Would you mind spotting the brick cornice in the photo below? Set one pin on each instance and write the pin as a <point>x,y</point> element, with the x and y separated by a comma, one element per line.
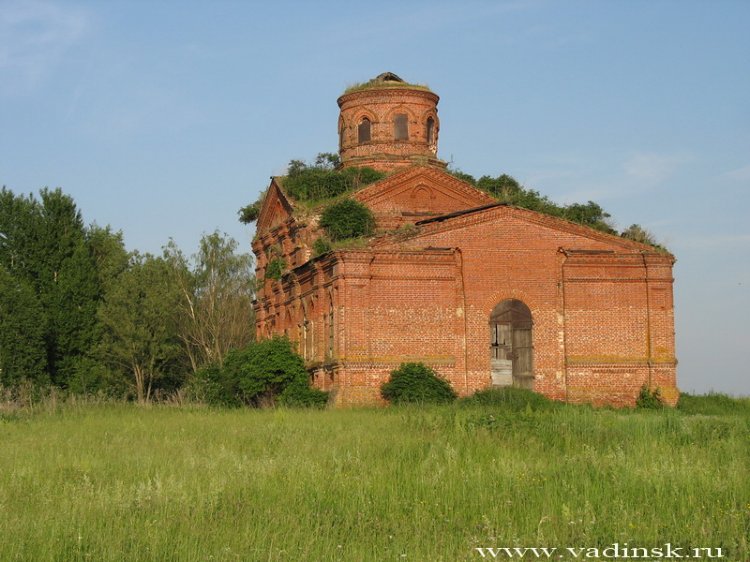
<point>387,93</point>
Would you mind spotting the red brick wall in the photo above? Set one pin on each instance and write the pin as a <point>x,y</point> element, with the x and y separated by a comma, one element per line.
<point>382,151</point>
<point>602,307</point>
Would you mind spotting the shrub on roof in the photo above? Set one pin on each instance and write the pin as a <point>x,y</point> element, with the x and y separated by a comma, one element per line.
<point>323,180</point>
<point>317,182</point>
<point>507,189</point>
<point>347,219</point>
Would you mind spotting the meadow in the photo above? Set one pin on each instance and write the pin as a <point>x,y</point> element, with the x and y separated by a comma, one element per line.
<point>101,482</point>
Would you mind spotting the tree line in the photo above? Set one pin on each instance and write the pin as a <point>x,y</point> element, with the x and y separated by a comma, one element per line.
<point>79,312</point>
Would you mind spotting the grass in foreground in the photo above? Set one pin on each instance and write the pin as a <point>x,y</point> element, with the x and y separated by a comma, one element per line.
<point>118,482</point>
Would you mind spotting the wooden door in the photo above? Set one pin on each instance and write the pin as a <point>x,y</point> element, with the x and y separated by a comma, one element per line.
<point>501,354</point>
<point>511,345</point>
<point>522,369</point>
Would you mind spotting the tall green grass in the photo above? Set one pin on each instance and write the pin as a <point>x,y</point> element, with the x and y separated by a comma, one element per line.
<point>118,482</point>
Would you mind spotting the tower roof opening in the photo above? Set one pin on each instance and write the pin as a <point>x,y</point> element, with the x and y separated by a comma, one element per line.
<point>387,77</point>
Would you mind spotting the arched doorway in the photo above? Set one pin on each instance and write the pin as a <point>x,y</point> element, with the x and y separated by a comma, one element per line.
<point>511,350</point>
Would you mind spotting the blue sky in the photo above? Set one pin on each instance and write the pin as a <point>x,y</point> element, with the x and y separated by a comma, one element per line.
<point>163,118</point>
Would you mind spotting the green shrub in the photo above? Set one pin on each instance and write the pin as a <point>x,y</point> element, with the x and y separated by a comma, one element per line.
<point>300,394</point>
<point>249,213</point>
<point>275,268</point>
<point>211,387</point>
<point>347,219</point>
<point>416,383</point>
<point>321,246</point>
<point>649,399</point>
<point>637,233</point>
<point>258,375</point>
<point>511,399</point>
<point>315,183</point>
<point>322,181</point>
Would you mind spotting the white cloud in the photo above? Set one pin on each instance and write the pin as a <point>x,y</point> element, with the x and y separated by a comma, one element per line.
<point>740,174</point>
<point>650,169</point>
<point>33,37</point>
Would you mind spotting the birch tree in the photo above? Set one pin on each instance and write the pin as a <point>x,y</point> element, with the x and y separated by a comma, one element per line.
<point>216,292</point>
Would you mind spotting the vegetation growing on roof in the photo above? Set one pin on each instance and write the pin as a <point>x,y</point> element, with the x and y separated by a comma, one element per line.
<point>275,268</point>
<point>347,219</point>
<point>507,189</point>
<point>314,183</point>
<point>637,233</point>
<point>249,213</point>
<point>385,80</point>
<point>373,84</point>
<point>321,246</point>
<point>323,180</point>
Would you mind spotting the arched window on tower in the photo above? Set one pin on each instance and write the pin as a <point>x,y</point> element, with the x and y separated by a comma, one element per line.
<point>430,132</point>
<point>401,127</point>
<point>331,326</point>
<point>341,133</point>
<point>363,130</point>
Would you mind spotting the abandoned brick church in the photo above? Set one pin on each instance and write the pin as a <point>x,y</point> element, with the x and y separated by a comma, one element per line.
<point>485,293</point>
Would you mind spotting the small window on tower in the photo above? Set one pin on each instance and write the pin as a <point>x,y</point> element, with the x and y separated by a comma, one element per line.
<point>401,127</point>
<point>363,130</point>
<point>430,131</point>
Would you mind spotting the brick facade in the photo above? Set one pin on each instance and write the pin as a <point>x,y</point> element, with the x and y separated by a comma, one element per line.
<point>424,289</point>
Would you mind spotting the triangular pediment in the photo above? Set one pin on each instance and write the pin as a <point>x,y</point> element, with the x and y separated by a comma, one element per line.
<point>276,208</point>
<point>506,220</point>
<point>421,191</point>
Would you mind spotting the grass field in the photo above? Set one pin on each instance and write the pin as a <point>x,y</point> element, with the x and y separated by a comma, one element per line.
<point>119,482</point>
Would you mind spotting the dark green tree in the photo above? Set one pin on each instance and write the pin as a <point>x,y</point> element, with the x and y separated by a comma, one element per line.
<point>92,373</point>
<point>107,249</point>
<point>44,246</point>
<point>139,321</point>
<point>23,352</point>
<point>68,284</point>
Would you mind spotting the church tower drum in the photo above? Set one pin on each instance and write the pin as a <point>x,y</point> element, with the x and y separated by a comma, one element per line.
<point>387,124</point>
